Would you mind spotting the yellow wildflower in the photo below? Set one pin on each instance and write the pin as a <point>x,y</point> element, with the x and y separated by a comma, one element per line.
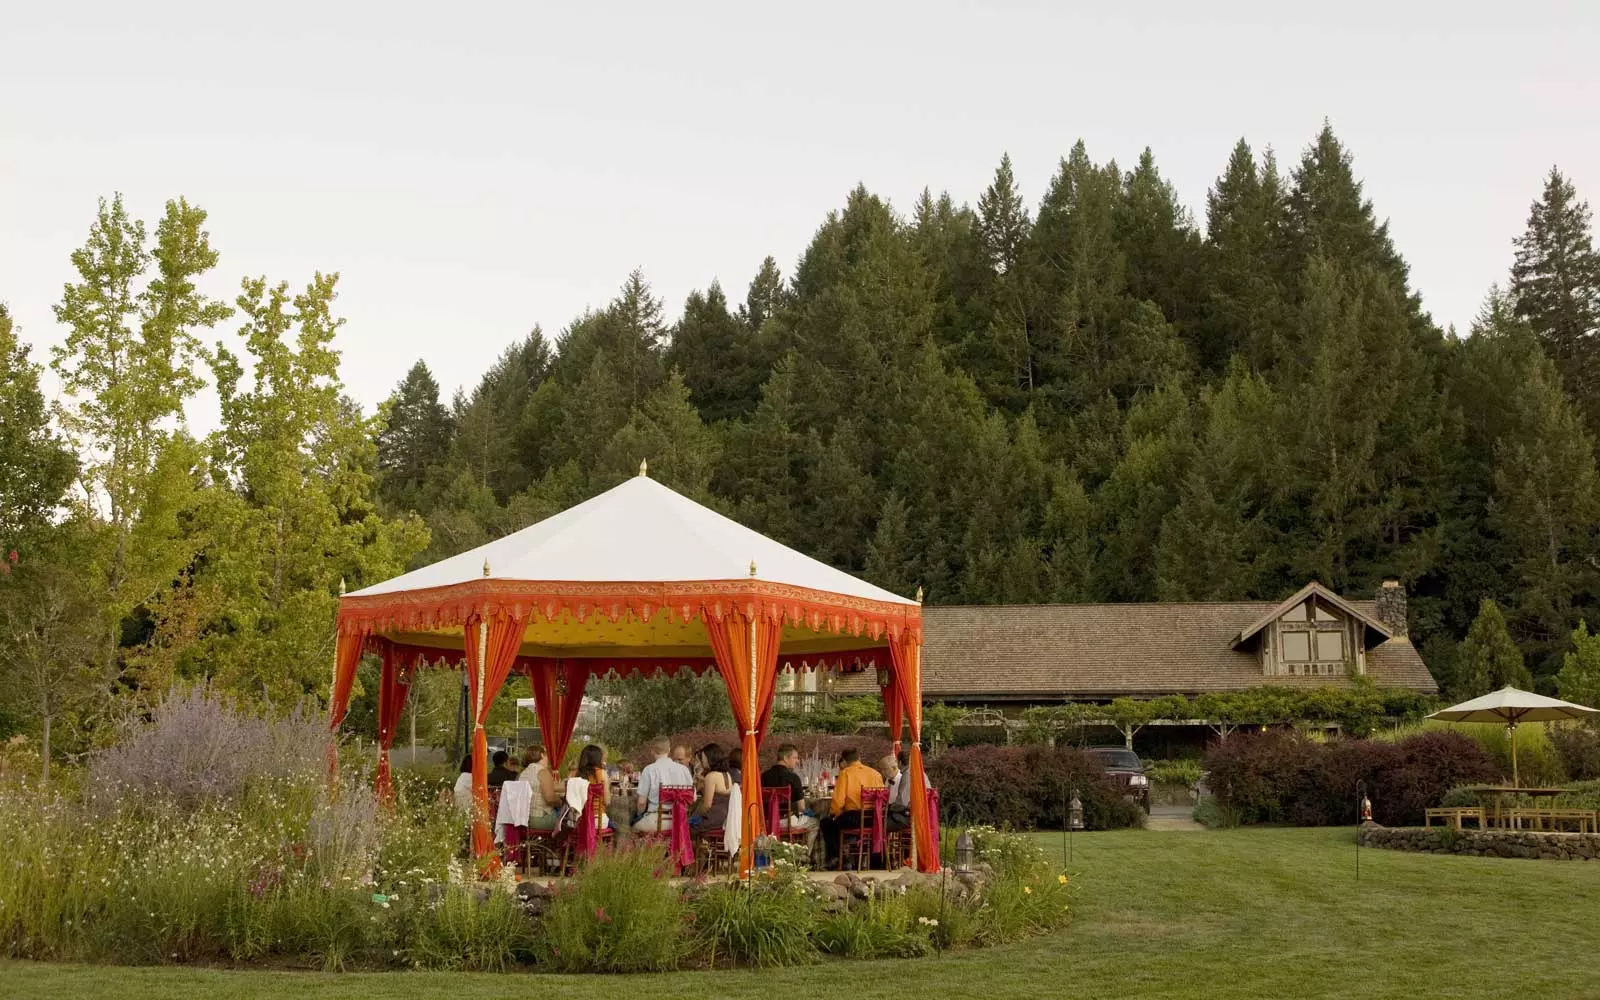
<point>1062,879</point>
<point>1028,889</point>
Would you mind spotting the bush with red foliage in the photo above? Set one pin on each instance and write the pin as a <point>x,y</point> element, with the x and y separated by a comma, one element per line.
<point>1026,788</point>
<point>1281,777</point>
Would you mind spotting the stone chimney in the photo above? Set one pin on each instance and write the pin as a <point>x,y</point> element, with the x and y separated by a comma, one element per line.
<point>1391,607</point>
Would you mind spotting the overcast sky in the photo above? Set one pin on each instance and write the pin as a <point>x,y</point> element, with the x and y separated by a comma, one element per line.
<point>474,170</point>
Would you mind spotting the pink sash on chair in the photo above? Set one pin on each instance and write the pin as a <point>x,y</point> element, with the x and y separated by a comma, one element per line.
<point>680,798</point>
<point>933,812</point>
<point>875,799</point>
<point>588,823</point>
<point>777,803</point>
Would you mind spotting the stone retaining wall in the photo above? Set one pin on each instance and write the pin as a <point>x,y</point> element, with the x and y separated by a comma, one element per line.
<point>1485,843</point>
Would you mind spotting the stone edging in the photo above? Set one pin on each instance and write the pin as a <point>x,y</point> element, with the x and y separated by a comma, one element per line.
<point>1485,843</point>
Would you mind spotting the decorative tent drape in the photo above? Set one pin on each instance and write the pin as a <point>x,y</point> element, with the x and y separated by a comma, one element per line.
<point>746,650</point>
<point>492,642</point>
<point>557,695</point>
<point>394,683</point>
<point>907,651</point>
<point>346,657</point>
<point>893,707</point>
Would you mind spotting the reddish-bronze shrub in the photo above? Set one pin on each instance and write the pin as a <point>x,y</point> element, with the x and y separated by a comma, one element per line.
<point>1026,788</point>
<point>1280,777</point>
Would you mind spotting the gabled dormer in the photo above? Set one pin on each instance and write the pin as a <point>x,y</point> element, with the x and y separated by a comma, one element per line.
<point>1315,633</point>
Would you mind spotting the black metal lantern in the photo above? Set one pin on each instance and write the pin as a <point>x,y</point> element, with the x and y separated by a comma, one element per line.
<point>1075,812</point>
<point>964,852</point>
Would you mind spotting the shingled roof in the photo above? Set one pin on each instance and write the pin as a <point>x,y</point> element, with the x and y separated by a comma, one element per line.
<point>1049,652</point>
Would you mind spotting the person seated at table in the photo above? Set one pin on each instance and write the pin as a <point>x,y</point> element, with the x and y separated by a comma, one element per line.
<point>782,774</point>
<point>716,784</point>
<point>898,816</point>
<point>591,767</point>
<point>663,771</point>
<point>500,773</point>
<point>546,792</point>
<point>461,794</point>
<point>683,755</point>
<point>845,812</point>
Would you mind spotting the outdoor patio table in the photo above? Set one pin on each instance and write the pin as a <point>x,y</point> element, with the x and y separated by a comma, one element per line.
<point>1493,798</point>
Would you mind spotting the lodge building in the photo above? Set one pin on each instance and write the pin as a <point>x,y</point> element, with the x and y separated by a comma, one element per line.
<point>1013,656</point>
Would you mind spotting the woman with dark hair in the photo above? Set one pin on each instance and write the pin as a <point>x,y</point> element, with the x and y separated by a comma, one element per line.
<point>715,786</point>
<point>592,768</point>
<point>462,793</point>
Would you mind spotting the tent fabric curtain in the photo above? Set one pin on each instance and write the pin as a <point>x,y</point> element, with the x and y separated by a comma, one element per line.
<point>346,657</point>
<point>907,651</point>
<point>557,696</point>
<point>394,684</point>
<point>746,650</point>
<point>893,708</point>
<point>492,642</point>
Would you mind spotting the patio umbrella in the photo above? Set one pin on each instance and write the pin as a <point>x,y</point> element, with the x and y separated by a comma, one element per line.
<point>1512,706</point>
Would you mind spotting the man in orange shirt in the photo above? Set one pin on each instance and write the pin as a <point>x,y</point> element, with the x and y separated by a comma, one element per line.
<point>846,812</point>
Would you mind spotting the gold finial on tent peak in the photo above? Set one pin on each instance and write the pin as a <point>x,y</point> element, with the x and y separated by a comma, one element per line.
<point>919,595</point>
<point>486,567</point>
<point>644,468</point>
<point>752,567</point>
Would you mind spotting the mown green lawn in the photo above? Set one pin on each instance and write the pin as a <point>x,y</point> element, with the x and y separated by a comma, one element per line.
<point>1244,913</point>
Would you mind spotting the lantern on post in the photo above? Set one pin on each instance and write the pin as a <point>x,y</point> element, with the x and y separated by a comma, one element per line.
<point>1366,805</point>
<point>1075,811</point>
<point>964,852</point>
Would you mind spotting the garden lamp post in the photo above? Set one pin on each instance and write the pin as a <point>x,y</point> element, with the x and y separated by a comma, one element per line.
<point>1074,820</point>
<point>1363,814</point>
<point>964,853</point>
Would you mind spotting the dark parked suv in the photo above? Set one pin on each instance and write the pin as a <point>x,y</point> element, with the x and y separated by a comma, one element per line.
<point>1124,767</point>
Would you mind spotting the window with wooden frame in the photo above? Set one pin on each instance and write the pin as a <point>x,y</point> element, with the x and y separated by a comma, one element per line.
<point>1313,640</point>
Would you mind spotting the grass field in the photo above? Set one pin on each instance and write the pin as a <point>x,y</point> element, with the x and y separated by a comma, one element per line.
<point>1235,914</point>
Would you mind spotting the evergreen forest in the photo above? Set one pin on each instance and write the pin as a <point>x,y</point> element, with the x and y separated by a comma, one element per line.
<point>1082,394</point>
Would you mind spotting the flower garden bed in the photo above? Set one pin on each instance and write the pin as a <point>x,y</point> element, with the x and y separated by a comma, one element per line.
<point>1485,843</point>
<point>210,836</point>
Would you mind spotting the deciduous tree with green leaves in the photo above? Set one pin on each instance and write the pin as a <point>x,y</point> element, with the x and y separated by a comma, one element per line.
<point>127,367</point>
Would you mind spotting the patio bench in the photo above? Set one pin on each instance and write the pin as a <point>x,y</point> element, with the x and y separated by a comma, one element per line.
<point>1555,820</point>
<point>1453,815</point>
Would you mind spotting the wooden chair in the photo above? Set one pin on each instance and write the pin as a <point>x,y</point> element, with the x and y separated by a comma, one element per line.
<point>778,805</point>
<point>673,803</point>
<point>574,848</point>
<point>711,856</point>
<point>865,842</point>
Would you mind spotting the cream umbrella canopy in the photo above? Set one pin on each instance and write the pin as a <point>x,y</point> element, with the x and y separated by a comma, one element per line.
<point>1513,706</point>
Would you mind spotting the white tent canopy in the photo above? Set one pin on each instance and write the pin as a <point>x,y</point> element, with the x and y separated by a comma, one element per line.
<point>639,531</point>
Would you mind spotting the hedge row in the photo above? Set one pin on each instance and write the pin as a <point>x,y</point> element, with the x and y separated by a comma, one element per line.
<point>1026,788</point>
<point>1278,777</point>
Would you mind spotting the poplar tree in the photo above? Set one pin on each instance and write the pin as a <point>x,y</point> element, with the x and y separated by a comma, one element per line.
<point>127,367</point>
<point>298,516</point>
